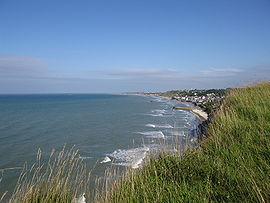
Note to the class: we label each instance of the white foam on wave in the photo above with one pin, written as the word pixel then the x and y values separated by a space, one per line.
pixel 154 134
pixel 129 157
pixel 85 157
pixel 150 125
pixel 156 115
pixel 164 126
pixel 105 160
pixel 159 126
pixel 161 111
pixel 137 164
pixel 158 100
pixel 152 114
pixel 178 133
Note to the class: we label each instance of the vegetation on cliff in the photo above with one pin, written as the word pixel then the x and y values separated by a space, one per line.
pixel 195 92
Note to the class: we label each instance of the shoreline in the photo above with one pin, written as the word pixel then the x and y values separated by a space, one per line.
pixel 202 115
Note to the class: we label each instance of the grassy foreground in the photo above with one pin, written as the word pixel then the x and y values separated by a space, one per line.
pixel 231 165
pixel 60 180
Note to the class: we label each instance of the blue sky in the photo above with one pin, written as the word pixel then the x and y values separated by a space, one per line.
pixel 132 45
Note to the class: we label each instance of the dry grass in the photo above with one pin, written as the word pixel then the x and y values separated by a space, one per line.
pixel 62 178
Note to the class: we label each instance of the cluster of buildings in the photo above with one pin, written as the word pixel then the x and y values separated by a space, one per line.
pixel 207 99
pixel 200 100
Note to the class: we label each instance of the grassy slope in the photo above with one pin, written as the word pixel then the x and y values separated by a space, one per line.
pixel 232 165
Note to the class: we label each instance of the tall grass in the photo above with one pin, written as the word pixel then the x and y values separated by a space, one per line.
pixel 61 179
pixel 231 165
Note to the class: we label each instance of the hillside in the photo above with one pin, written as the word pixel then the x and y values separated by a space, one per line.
pixel 232 164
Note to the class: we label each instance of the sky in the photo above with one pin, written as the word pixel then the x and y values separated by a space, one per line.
pixel 110 46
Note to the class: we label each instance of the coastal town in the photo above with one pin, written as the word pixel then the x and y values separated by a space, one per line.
pixel 207 99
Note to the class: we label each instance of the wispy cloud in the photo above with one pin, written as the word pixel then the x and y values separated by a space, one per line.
pixel 30 74
pixel 138 71
pixel 221 71
pixel 19 66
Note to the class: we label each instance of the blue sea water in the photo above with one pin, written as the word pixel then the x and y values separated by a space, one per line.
pixel 107 129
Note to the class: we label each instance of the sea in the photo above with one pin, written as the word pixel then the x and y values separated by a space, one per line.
pixel 109 130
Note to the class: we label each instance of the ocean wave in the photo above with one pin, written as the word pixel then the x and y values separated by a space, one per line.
pixel 164 126
pixel 161 111
pixel 156 115
pixel 159 126
pixel 178 133
pixel 154 134
pixel 150 125
pixel 85 157
pixel 105 160
pixel 129 157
